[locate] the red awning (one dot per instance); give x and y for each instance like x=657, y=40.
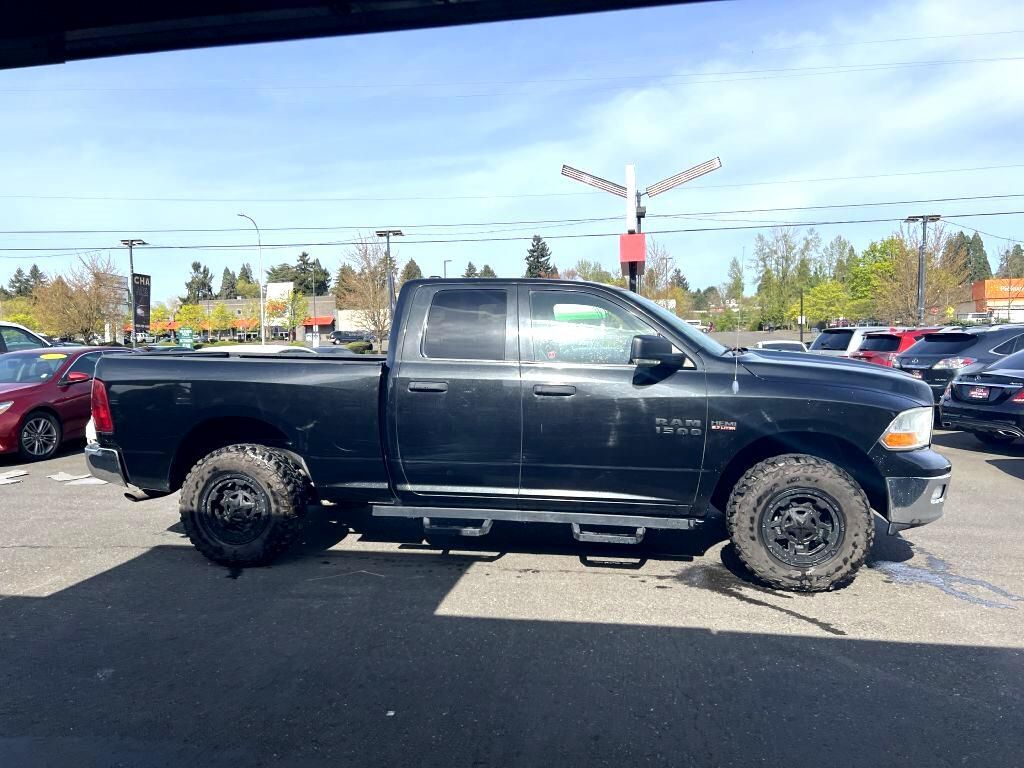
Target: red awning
x=319, y=320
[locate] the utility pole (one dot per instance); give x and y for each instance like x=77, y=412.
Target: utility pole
x=259, y=282
x=803, y=319
x=924, y=219
x=632, y=245
x=386, y=234
x=131, y=243
x=444, y=267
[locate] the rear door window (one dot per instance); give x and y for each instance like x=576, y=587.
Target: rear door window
x=1009, y=347
x=466, y=325
x=834, y=341
x=15, y=339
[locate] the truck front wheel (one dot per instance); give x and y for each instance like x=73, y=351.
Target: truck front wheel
x=800, y=523
x=243, y=504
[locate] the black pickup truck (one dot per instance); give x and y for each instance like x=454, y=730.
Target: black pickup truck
x=533, y=401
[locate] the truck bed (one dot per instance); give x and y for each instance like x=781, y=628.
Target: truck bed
x=325, y=410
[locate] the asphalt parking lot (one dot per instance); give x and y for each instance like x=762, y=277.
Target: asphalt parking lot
x=122, y=646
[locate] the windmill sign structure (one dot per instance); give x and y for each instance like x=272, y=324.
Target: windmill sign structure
x=633, y=244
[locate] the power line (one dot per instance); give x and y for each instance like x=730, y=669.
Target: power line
x=69, y=250
x=981, y=231
x=531, y=222
x=416, y=198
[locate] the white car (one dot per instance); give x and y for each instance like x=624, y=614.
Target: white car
x=14, y=337
x=783, y=345
x=843, y=342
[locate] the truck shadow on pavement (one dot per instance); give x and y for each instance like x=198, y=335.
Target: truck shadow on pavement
x=364, y=659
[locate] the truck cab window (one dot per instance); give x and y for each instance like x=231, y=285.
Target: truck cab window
x=466, y=325
x=575, y=327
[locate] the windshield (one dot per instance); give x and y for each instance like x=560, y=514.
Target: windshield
x=833, y=340
x=30, y=368
x=880, y=343
x=943, y=344
x=683, y=328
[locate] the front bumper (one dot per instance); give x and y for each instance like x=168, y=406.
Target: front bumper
x=105, y=463
x=915, y=501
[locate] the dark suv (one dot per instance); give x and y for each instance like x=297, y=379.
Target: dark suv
x=347, y=337
x=938, y=357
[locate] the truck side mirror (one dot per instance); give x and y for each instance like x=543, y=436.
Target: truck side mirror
x=652, y=351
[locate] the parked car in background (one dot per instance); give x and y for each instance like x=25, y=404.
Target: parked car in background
x=842, y=342
x=783, y=345
x=255, y=349
x=347, y=337
x=44, y=398
x=700, y=325
x=338, y=351
x=14, y=337
x=882, y=348
x=989, y=403
x=938, y=357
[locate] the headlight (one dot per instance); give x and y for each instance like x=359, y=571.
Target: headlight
x=5, y=405
x=911, y=429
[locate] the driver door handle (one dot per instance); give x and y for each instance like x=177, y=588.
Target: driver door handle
x=428, y=386
x=554, y=390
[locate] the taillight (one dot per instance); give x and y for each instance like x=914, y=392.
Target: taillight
x=953, y=363
x=1018, y=398
x=101, y=417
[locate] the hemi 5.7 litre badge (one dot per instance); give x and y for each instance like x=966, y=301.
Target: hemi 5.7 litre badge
x=724, y=426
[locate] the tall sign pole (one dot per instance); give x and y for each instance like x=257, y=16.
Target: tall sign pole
x=131, y=243
x=920, y=260
x=632, y=244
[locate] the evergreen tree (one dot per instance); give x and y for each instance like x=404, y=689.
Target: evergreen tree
x=978, y=267
x=344, y=283
x=538, y=259
x=734, y=287
x=678, y=280
x=199, y=286
x=411, y=271
x=282, y=273
x=19, y=284
x=228, y=285
x=471, y=271
x=36, y=278
x=245, y=274
x=1011, y=262
x=310, y=277
x=486, y=271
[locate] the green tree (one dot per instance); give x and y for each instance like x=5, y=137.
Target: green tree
x=411, y=271
x=228, y=285
x=19, y=284
x=486, y=271
x=20, y=310
x=678, y=280
x=538, y=259
x=199, y=286
x=282, y=273
x=1011, y=262
x=344, y=285
x=734, y=285
x=310, y=276
x=191, y=316
x=36, y=278
x=784, y=261
x=471, y=270
x=978, y=266
x=592, y=271
x=245, y=273
x=221, y=319
x=825, y=301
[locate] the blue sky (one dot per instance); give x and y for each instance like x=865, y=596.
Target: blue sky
x=469, y=126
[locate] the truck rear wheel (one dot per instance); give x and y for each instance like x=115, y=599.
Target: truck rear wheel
x=800, y=523
x=243, y=504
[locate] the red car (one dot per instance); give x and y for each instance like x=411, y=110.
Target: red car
x=882, y=347
x=44, y=398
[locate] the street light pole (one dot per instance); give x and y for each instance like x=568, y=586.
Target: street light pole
x=444, y=267
x=924, y=219
x=131, y=243
x=259, y=282
x=386, y=234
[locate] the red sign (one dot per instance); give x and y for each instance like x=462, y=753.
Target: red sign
x=632, y=248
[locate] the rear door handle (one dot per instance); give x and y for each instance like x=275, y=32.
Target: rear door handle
x=554, y=390
x=428, y=386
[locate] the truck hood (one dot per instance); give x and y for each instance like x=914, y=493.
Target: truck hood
x=835, y=371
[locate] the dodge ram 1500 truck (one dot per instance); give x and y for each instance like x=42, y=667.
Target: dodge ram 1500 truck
x=533, y=401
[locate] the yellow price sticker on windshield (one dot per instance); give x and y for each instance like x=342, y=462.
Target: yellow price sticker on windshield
x=52, y=356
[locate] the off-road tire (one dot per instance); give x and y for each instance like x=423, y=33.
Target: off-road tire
x=286, y=491
x=754, y=493
x=993, y=438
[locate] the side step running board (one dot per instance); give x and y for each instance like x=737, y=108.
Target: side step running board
x=461, y=514
x=455, y=529
x=607, y=538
